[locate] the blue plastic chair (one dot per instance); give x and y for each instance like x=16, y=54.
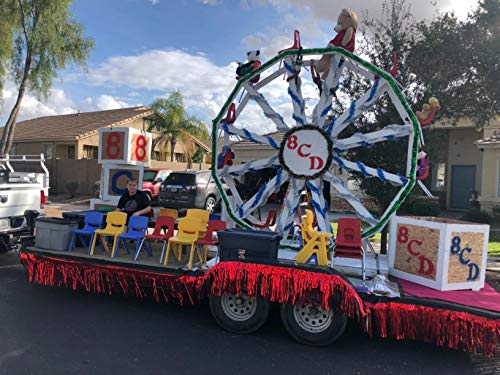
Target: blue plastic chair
x=137, y=228
x=93, y=221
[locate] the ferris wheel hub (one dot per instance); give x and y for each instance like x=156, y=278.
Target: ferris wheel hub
x=306, y=152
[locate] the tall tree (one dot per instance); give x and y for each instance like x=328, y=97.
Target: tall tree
x=40, y=38
x=172, y=124
x=458, y=61
x=393, y=33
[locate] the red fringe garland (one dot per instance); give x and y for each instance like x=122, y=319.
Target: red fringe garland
x=453, y=329
x=282, y=284
x=108, y=279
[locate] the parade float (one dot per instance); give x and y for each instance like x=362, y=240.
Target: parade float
x=431, y=287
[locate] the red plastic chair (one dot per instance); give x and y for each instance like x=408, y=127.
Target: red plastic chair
x=348, y=233
x=165, y=223
x=270, y=220
x=209, y=240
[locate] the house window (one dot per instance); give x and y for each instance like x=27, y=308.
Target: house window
x=71, y=152
x=90, y=152
x=48, y=150
x=13, y=149
x=156, y=155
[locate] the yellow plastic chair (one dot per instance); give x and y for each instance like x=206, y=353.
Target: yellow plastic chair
x=169, y=212
x=314, y=242
x=187, y=234
x=115, y=225
x=203, y=216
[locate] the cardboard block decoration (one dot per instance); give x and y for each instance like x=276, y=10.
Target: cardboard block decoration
x=438, y=253
x=114, y=178
x=123, y=153
x=125, y=146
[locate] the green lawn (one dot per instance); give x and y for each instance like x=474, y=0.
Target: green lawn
x=494, y=245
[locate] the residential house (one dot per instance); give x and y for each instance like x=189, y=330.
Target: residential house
x=75, y=137
x=472, y=169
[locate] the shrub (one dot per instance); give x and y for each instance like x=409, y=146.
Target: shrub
x=421, y=207
x=477, y=216
x=71, y=188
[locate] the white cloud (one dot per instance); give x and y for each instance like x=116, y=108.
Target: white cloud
x=105, y=102
x=210, y=2
x=153, y=2
x=58, y=103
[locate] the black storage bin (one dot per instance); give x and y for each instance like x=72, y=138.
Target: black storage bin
x=4, y=176
x=253, y=244
x=76, y=216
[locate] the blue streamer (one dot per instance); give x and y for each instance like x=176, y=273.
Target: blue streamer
x=352, y=110
x=362, y=168
x=300, y=120
x=381, y=174
x=373, y=90
x=326, y=110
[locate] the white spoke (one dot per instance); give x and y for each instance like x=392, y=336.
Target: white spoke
x=295, y=91
x=352, y=199
x=356, y=109
x=252, y=165
x=359, y=69
x=268, y=111
x=230, y=129
x=290, y=205
x=319, y=204
x=257, y=86
x=329, y=87
x=389, y=132
x=370, y=172
x=263, y=194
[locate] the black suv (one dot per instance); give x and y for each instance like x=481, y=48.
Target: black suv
x=189, y=189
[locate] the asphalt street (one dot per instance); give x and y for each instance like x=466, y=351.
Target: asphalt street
x=53, y=331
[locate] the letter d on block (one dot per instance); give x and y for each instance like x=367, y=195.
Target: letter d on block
x=423, y=263
x=473, y=266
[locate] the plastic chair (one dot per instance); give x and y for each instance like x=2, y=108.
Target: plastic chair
x=187, y=234
x=137, y=228
x=348, y=243
x=169, y=212
x=270, y=220
x=315, y=243
x=115, y=225
x=203, y=216
x=349, y=233
x=93, y=221
x=165, y=223
x=209, y=240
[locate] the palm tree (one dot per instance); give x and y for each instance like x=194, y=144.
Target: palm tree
x=171, y=124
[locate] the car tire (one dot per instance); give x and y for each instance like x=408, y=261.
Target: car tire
x=311, y=325
x=210, y=204
x=239, y=314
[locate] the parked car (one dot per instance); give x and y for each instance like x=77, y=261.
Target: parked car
x=151, y=182
x=189, y=189
x=22, y=197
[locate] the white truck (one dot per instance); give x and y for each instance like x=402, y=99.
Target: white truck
x=22, y=196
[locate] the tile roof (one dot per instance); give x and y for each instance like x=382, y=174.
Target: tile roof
x=75, y=125
x=277, y=136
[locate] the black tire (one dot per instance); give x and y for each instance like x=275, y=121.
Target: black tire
x=311, y=325
x=239, y=314
x=210, y=203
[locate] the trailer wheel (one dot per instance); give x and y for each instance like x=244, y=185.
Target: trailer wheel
x=311, y=325
x=239, y=314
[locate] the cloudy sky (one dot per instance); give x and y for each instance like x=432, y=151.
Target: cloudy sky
x=147, y=48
